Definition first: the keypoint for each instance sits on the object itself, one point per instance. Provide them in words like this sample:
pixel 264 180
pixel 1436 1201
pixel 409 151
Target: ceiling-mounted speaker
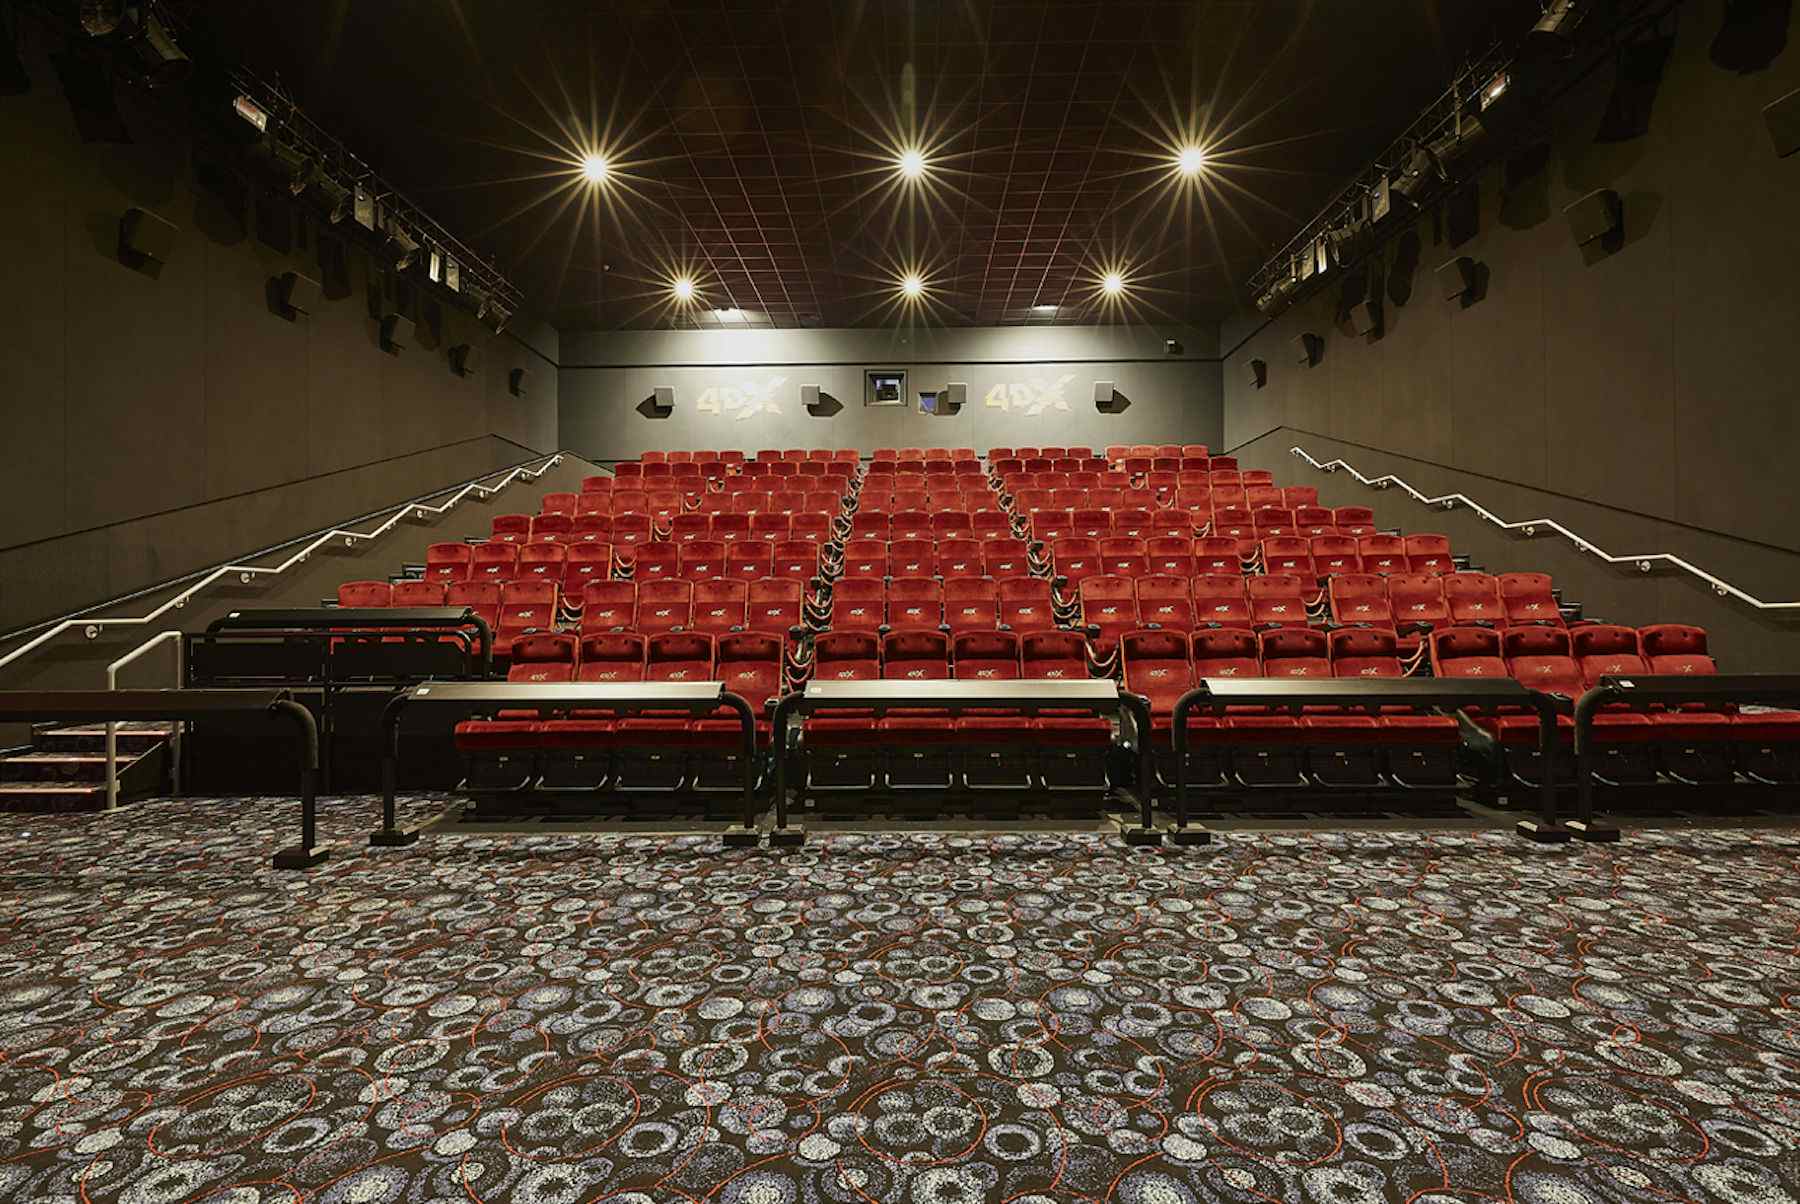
pixel 946 402
pixel 396 332
pixel 660 403
pixel 1783 119
pixel 1259 373
pixel 292 294
pixel 465 359
pixel 517 379
pixel 1364 318
pixel 145 240
pixel 1462 279
pixel 1108 399
pixel 1598 217
pixel 1308 347
pixel 818 403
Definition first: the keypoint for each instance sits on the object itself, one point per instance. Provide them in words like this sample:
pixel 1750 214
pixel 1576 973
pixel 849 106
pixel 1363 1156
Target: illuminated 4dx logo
pixel 742 401
pixel 1030 397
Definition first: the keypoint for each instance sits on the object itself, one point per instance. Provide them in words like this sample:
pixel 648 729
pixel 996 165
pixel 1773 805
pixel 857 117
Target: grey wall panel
pixel 61 574
pixel 159 419
pixel 722 402
pixel 72 662
pixel 1742 638
pixel 1656 379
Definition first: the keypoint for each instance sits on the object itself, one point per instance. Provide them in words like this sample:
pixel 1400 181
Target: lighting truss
pixel 303 140
pixel 1446 146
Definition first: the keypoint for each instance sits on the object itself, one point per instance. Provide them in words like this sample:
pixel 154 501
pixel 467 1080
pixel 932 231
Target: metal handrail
pixel 1644 561
pixel 112 725
pixel 417 508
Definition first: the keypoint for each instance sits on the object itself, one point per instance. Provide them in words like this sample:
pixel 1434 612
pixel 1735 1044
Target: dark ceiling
pixel 753 144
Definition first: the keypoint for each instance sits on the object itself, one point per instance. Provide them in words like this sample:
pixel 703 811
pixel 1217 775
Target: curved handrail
pixel 417 507
pixel 1644 561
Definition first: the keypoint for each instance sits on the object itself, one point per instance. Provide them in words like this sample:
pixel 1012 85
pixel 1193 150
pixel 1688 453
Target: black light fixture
pixel 156 58
pixel 399 248
pixel 334 200
pixel 493 315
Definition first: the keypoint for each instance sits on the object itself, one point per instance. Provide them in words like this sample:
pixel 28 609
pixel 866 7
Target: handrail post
pixel 1586 707
pixel 389 835
pixel 745 835
pixel 1181 834
pixel 307 853
pixel 1545 829
pixel 1145 834
pixel 781 835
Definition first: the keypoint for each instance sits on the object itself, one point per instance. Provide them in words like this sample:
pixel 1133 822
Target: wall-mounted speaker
pixel 1462 279
pixel 1108 399
pixel 946 402
pixel 818 403
pixel 1598 217
pixel 292 294
pixel 660 403
pixel 396 332
pixel 1259 373
pixel 145 240
pixel 517 379
pixel 465 359
pixel 1364 318
pixel 1783 119
pixel 1308 348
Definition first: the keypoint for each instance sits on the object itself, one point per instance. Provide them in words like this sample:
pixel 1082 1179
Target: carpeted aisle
pixel 1335 1018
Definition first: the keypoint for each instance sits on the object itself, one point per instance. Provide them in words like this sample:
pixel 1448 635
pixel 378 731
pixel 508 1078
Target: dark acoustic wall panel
pixel 128 394
pixel 1655 378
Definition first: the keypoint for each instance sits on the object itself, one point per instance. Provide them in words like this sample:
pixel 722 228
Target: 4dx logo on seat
pixel 741 401
pixel 1030 397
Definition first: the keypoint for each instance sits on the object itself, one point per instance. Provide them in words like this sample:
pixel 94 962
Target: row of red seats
pixel 700 475
pixel 1120 451
pixel 1014 476
pixel 1570 661
pixel 699 559
pixel 634 528
pixel 519 607
pixel 750 664
pixel 1164 665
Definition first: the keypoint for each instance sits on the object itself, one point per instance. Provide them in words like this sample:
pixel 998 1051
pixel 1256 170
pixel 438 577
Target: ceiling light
pixel 911 285
pixel 1190 160
pixel 912 163
pixel 1112 284
pixel 683 289
pixel 1043 309
pixel 595 169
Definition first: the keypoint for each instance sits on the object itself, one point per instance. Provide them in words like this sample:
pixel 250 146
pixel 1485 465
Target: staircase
pixel 65 767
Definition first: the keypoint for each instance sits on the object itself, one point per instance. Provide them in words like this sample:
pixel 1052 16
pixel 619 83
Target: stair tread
pixel 52 787
pixel 41 757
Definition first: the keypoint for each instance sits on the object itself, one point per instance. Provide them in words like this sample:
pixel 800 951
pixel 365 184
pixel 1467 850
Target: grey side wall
pixel 1658 380
pixel 1027 385
pixel 157 424
pixel 1741 638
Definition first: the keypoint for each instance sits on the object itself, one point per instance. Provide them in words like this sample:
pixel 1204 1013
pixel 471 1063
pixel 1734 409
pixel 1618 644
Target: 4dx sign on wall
pixel 1030 397
pixel 741 401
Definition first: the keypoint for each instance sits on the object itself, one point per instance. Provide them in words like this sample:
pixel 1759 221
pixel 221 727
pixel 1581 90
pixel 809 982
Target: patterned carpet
pixel 940 1019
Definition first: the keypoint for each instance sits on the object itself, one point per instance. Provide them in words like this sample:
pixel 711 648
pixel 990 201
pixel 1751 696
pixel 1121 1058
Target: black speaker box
pixel 145 238
pixel 1461 279
pixel 396 332
pixel 293 294
pixel 1365 318
pixel 1108 399
pixel 465 359
pixel 517 379
pixel 1783 119
pixel 1597 217
pixel 1308 347
pixel 1259 373
pixel 660 403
